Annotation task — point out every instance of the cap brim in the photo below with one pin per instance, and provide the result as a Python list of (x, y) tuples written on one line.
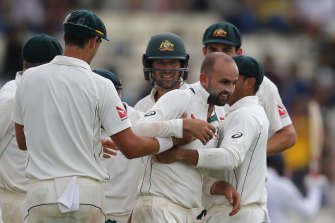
[(222, 41), (166, 57)]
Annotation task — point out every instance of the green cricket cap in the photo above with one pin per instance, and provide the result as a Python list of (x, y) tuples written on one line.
[(85, 22), (41, 48), (249, 67), (110, 76), (222, 32)]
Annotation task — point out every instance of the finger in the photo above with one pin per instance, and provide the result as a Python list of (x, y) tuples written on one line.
[(203, 140), (184, 115), (107, 156), (212, 128), (108, 143), (210, 134), (109, 151), (236, 204)]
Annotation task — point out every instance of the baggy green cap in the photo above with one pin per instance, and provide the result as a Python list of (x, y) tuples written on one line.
[(110, 76), (249, 67), (222, 32), (85, 22), (41, 48)]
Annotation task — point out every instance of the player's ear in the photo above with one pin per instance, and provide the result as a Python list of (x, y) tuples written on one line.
[(239, 51), (203, 79), (204, 50)]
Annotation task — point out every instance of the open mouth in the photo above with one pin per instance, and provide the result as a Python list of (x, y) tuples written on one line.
[(167, 77)]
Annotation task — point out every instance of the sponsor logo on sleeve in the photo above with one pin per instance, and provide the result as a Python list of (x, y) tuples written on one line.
[(282, 112), (122, 113)]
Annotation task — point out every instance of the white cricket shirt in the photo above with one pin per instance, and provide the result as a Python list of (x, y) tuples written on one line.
[(148, 101), (12, 159), (275, 110), (179, 182), (120, 190), (63, 106), (241, 158)]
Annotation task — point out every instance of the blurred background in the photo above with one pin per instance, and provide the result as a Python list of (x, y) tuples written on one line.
[(294, 39)]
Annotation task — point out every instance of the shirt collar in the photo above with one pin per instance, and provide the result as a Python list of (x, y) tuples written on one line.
[(70, 61), (201, 92), (245, 101), (18, 77)]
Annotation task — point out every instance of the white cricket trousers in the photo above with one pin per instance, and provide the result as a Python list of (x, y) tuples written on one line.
[(122, 218), (12, 206), (150, 209), (42, 207), (249, 213)]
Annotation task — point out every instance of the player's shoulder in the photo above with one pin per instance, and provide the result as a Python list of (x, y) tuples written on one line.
[(267, 84), (143, 103)]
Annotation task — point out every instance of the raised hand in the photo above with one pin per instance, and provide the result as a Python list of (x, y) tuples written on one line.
[(199, 129)]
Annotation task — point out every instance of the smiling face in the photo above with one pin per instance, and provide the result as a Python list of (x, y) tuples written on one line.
[(219, 79), (166, 73)]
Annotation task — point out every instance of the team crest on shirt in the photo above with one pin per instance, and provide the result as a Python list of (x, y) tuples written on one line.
[(282, 112), (220, 33), (166, 45), (122, 113)]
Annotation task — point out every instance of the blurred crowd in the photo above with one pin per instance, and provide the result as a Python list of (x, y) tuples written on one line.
[(314, 19)]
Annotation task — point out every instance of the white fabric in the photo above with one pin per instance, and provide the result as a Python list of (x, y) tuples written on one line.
[(1, 221), (159, 128), (42, 204), (164, 144), (152, 209), (12, 206), (147, 102), (178, 182), (120, 190), (275, 110), (12, 159), (284, 198), (243, 161), (220, 214), (68, 194), (62, 106)]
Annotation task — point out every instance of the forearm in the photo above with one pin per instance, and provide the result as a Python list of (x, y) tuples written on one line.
[(219, 158), (151, 128), (282, 140), (20, 137)]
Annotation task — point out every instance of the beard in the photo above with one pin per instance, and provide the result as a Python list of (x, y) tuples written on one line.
[(217, 98), (171, 84)]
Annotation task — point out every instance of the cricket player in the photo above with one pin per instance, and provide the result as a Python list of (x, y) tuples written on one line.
[(38, 50), (168, 193), (121, 188), (241, 156), (165, 66), (59, 111), (225, 37)]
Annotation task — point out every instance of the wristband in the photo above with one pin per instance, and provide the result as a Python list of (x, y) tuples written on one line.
[(164, 144)]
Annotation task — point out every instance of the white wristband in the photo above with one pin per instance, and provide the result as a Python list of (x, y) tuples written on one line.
[(164, 144)]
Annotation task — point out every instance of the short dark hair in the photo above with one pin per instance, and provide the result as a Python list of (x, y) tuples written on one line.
[(76, 40)]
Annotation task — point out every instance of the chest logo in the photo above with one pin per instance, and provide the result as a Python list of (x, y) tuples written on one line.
[(151, 113), (237, 135)]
